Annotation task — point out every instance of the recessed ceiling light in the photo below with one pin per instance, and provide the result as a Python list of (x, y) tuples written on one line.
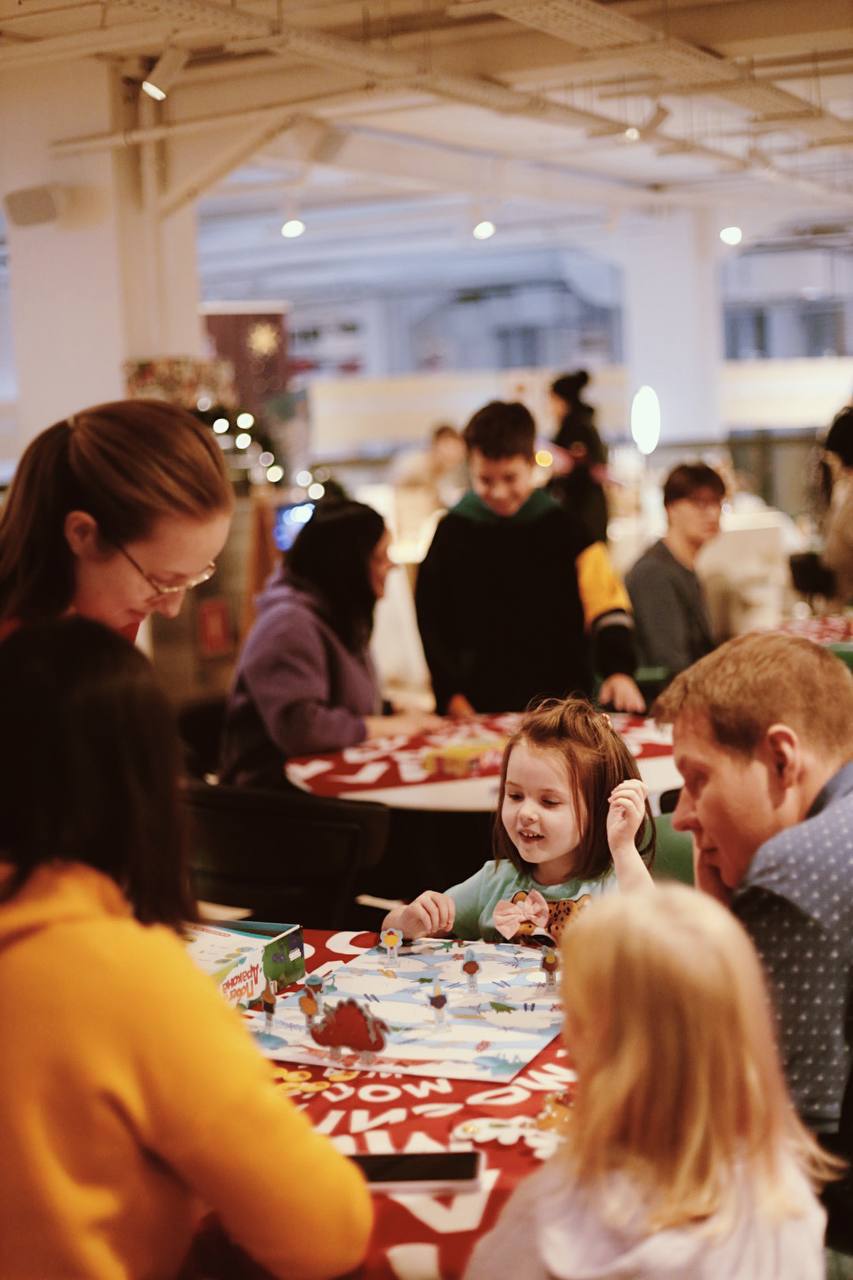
[(292, 228)]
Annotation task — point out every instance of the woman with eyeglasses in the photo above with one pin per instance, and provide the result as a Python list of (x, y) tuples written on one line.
[(114, 513)]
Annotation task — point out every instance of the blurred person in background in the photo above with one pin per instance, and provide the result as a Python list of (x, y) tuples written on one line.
[(838, 523), (439, 470), (514, 598), (670, 611), (580, 455), (304, 681)]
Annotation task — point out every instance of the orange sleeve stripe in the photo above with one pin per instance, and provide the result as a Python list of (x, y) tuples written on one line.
[(600, 587)]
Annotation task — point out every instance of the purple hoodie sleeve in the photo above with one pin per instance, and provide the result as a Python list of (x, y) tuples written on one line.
[(310, 691)]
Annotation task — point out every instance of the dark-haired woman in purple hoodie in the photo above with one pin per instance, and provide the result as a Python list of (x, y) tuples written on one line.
[(304, 681)]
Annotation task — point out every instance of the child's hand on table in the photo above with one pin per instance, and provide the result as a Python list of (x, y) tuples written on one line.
[(431, 912)]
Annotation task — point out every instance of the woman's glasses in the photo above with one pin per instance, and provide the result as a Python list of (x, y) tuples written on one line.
[(157, 587)]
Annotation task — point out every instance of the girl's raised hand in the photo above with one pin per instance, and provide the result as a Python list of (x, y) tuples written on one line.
[(431, 912), (625, 815)]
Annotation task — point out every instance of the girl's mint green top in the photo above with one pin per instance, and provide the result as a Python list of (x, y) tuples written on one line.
[(477, 897)]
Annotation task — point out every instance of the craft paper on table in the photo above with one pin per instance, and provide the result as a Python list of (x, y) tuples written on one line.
[(248, 957), (421, 1013)]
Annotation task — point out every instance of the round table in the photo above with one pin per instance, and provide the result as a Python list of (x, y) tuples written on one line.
[(457, 767)]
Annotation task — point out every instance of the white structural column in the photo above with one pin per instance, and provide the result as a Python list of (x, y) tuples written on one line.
[(673, 318), (106, 281)]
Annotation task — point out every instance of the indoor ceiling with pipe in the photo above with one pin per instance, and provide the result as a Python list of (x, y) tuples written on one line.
[(391, 127)]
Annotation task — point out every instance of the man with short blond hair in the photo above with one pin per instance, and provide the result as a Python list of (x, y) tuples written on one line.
[(763, 737)]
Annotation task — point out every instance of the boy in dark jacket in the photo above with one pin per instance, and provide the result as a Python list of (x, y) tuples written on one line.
[(514, 599)]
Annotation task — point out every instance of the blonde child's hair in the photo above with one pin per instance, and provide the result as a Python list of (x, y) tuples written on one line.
[(679, 1081), (596, 760)]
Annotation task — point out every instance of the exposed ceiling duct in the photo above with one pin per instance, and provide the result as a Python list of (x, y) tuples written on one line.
[(683, 68)]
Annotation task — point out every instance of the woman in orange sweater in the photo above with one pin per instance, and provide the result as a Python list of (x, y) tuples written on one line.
[(132, 1101)]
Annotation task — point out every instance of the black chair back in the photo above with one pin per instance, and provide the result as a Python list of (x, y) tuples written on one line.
[(200, 724), (810, 575), (286, 856)]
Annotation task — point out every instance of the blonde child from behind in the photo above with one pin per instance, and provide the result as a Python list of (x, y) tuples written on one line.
[(684, 1159), (570, 807)]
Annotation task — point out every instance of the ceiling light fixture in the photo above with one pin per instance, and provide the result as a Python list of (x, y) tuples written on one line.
[(645, 420), (632, 133), (165, 72), (484, 230), (731, 235), (292, 228)]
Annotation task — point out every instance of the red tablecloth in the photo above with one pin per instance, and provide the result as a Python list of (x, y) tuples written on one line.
[(835, 628), (418, 1237), (423, 758)]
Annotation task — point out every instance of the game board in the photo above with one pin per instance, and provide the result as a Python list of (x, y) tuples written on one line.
[(483, 1023)]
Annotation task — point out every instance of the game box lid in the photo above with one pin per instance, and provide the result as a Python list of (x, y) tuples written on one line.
[(246, 955)]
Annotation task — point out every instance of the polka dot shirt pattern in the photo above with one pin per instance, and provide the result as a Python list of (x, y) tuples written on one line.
[(796, 902)]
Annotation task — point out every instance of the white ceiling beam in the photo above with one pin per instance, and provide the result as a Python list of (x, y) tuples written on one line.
[(441, 168), (224, 19), (227, 158), (128, 38)]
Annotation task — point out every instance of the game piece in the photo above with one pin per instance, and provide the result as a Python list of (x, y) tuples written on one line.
[(309, 1006), (391, 939), (315, 985), (268, 1003), (550, 965), (350, 1026), (472, 968), (438, 1000), (556, 1113)]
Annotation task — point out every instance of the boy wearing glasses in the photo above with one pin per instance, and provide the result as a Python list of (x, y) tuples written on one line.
[(670, 612)]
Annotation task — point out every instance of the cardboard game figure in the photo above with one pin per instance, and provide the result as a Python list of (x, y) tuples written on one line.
[(315, 984), (550, 965), (391, 939), (472, 968), (438, 1000), (268, 1002), (348, 1025), (309, 1006)]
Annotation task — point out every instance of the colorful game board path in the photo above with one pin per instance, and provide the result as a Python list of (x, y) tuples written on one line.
[(457, 767)]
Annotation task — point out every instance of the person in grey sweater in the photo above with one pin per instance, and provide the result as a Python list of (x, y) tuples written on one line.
[(304, 682), (670, 613)]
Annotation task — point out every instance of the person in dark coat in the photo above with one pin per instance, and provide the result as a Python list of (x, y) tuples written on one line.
[(579, 465), (515, 599)]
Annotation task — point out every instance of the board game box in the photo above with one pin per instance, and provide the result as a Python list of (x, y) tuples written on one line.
[(468, 1011), (249, 957)]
